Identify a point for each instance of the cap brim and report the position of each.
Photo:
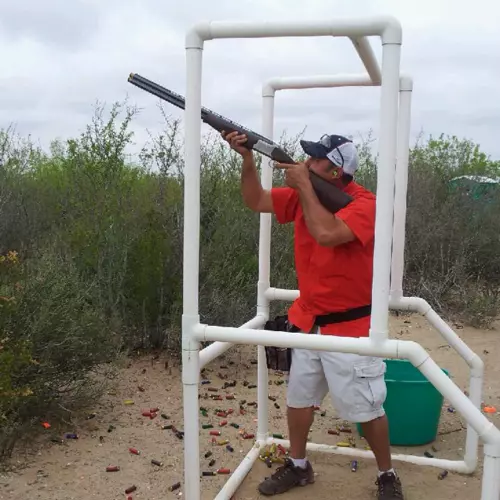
(314, 149)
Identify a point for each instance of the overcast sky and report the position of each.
(59, 56)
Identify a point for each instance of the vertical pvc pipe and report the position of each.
(190, 318)
(264, 275)
(385, 191)
(490, 488)
(472, 439)
(401, 183)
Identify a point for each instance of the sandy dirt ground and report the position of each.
(76, 469)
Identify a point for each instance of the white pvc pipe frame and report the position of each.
(384, 294)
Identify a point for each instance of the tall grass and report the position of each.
(91, 246)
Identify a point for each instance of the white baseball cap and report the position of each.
(338, 149)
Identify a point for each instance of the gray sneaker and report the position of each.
(389, 487)
(285, 478)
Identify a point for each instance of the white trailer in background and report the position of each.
(395, 106)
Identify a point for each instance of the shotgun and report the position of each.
(329, 196)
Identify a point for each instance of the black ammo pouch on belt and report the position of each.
(280, 358)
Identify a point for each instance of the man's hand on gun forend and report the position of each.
(296, 175)
(236, 142)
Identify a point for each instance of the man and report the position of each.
(334, 266)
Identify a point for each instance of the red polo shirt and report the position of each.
(331, 279)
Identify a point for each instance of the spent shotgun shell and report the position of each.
(134, 451)
(175, 486)
(208, 454)
(157, 462)
(208, 473)
(211, 463)
(112, 468)
(229, 448)
(130, 489)
(215, 433)
(354, 465)
(223, 471)
(442, 475)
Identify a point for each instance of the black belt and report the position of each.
(341, 317)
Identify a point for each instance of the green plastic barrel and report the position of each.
(413, 405)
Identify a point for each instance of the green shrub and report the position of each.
(100, 238)
(54, 337)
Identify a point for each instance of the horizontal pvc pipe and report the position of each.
(238, 476)
(364, 346)
(387, 27)
(417, 304)
(214, 350)
(313, 82)
(451, 465)
(365, 52)
(281, 294)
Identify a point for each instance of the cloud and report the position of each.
(62, 25)
(58, 60)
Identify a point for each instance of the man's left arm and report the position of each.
(326, 228)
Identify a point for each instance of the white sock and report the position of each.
(388, 471)
(300, 462)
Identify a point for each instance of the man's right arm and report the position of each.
(281, 201)
(255, 197)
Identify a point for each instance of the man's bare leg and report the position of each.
(299, 423)
(377, 434)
